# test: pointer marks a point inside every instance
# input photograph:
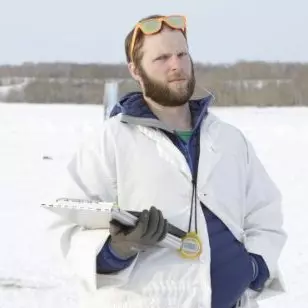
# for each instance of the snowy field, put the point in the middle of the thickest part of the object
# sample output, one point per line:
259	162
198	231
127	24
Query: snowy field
32	277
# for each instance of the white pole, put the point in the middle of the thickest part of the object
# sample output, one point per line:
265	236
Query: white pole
111	92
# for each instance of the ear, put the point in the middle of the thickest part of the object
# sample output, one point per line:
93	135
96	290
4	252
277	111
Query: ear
134	71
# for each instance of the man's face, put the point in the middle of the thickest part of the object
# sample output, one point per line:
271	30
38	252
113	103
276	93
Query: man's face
166	69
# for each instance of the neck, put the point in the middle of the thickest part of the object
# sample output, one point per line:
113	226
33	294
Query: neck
177	118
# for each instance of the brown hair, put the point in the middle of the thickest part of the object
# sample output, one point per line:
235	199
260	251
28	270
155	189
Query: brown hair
137	54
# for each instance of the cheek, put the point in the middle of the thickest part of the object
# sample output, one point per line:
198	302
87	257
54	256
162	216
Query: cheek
160	68
158	72
187	66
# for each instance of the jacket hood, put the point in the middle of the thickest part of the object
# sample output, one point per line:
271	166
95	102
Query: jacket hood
134	110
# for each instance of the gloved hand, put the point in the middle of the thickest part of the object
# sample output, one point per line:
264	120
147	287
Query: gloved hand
150	229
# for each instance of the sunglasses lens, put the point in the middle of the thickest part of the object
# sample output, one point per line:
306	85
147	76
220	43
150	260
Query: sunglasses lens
150	26
177	22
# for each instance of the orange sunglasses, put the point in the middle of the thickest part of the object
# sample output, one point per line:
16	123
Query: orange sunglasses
154	25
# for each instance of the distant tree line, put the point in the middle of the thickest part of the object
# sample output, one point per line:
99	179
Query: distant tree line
242	83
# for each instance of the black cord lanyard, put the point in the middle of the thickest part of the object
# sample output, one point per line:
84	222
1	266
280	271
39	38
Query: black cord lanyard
194	198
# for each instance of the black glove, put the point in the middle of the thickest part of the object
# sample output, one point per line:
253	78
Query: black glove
150	229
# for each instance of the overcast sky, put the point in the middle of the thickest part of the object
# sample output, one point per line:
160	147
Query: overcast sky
94	30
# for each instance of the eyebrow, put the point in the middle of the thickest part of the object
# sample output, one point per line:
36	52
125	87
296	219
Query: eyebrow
169	54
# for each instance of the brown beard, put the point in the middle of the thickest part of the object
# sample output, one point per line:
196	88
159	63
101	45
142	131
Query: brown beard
162	94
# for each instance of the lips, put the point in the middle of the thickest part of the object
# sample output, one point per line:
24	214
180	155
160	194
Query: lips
178	79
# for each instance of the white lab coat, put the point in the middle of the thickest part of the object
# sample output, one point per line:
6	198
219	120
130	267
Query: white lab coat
138	167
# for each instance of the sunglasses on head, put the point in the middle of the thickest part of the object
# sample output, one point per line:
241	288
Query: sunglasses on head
154	25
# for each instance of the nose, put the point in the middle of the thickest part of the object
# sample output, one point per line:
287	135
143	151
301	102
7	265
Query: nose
175	63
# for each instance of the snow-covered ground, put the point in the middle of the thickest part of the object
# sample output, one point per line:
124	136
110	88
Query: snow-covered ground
5	89
31	276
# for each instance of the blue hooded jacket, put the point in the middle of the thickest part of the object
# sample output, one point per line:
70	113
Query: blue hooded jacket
233	269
